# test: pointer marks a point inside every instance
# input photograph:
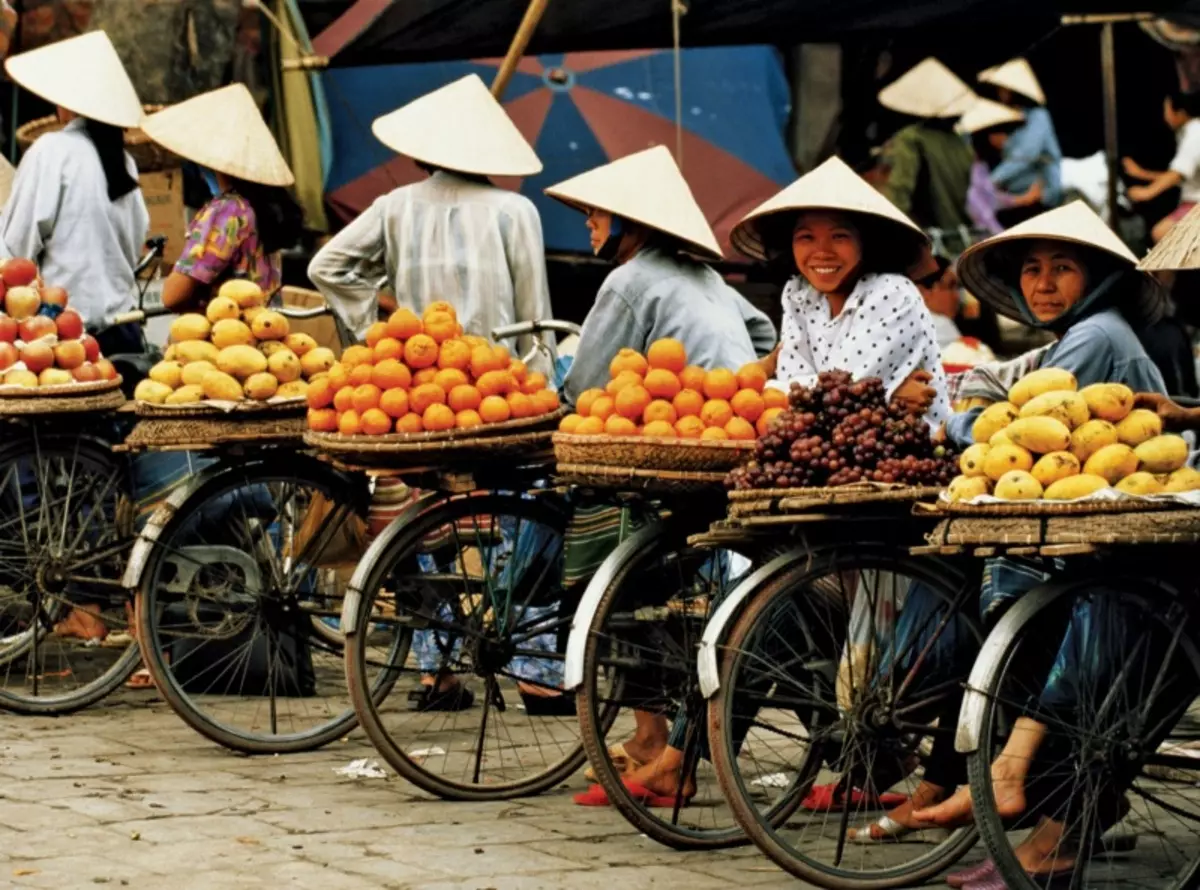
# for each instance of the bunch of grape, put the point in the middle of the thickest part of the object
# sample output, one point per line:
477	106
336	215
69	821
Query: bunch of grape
842	431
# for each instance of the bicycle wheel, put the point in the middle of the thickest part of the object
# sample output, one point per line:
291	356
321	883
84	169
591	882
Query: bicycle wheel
228	596
474	586
65	530
845	674
1108	669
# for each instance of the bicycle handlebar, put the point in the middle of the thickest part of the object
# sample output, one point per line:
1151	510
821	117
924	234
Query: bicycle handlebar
521	328
294	312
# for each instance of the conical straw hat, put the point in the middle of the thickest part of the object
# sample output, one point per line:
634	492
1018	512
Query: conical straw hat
1016	75
1179	250
82	74
459	127
832	186
928	90
7	173
985	114
989	271
224	131
648	188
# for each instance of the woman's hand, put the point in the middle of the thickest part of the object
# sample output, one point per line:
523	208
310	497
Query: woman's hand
770	363
915	393
1174	416
939	435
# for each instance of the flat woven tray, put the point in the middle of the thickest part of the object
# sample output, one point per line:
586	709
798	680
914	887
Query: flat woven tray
781	501
104	401
1047	508
663	454
637	479
193	433
245	412
1158	527
62	390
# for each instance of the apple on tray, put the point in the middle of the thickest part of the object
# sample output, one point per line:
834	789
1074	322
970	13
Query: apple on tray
37	356
85	373
8	356
16	377
22	302
19	272
54	377
106	369
54	296
37	328
91	346
69	324
69	354
9	329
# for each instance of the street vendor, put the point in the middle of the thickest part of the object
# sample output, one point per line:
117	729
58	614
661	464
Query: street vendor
453	236
239	232
75	208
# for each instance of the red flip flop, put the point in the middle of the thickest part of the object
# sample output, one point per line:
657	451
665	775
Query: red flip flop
820	799
596	796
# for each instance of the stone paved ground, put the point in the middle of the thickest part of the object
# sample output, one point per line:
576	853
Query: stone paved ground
125	795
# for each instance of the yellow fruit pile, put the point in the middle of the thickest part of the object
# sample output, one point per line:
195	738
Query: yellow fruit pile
424	375
238	349
1052	441
661	396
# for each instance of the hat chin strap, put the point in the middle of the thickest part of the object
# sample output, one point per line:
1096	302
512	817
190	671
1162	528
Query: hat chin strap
1074	313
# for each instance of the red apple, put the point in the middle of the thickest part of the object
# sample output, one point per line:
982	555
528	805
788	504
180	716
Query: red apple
69	354
106	369
36	328
20	378
8	329
91	346
55	296
69	324
19	272
37	356
8	355
54	377
22	302
85	373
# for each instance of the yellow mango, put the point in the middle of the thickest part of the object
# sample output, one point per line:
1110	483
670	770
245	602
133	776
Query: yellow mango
1054	466
190	326
196	351
1063	405
270	347
1004	458
269	325
244	293
1108	401
260	386
231	332
220	308
1074	487
151	391
1001	438
300	343
1040	435
186	395
220	386
241	361
1041	381
1138	427
293	389
169	373
1091	437
1017	485
993	419
193	372
169	353
1112	462
284	365
1162	454
317	360
1183	479
967	488
1140	484
971	461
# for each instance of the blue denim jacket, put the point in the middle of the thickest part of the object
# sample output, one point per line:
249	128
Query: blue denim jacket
1032	153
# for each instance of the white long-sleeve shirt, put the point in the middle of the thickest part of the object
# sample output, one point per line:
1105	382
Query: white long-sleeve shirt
59	215
471	244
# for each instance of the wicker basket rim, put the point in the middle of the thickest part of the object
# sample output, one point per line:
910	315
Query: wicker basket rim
639	473
104	401
60	390
1052	508
707	444
243	410
335	442
757	494
398	441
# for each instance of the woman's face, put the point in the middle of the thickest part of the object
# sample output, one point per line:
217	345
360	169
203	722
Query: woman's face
941	296
1053	278
828	250
599	223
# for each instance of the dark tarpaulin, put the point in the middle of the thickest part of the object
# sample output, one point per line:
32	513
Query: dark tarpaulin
376	32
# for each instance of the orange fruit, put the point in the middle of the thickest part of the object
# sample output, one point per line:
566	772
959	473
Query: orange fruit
668	354
495	383
320	393
388	348
533	382
394	403
764	420
423	396
391	374
420	351
662	384
361	374
464	398
473	341
448	378
517	368
348	424
440	306
590	426
410	423
403	323
545	401
659	429
343	399
357	355
622	380
741	429
339	376
603	407
748	403
568	424
494	409
520	405
425	375
376	332
454	354
438	417
752	376
716	412
688	403
692	377
632	401
441	326
720	384
375	422
503	356
483	359
774	398
628	360
620	426
467	419
365	397
322	420
583	405
690	427
660	409
714	432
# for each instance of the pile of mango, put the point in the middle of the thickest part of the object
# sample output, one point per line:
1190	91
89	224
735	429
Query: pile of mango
1055	442
237	350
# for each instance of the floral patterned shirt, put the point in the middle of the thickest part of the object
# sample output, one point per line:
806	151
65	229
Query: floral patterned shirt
222	242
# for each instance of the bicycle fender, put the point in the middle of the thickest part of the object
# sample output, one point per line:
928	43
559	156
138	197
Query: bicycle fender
353	596
727	611
991	661
585	614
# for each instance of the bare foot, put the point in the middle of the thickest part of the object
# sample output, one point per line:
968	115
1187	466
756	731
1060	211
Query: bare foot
956	810
83	623
925	795
662	775
1043	851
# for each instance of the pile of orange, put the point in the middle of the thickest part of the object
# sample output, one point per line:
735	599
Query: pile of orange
660	395
423	374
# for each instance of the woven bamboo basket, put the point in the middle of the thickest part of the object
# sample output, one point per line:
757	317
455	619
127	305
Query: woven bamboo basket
683	455
202	433
1050	508
635	479
1111	529
146	153
782	501
242	412
67	398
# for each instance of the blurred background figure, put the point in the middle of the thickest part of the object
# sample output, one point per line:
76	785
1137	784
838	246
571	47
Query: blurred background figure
989	126
1181	112
944	299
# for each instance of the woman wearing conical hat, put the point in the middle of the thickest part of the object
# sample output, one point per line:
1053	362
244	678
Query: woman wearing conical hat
1032	156
75	208
642	216
989	125
454	236
239	232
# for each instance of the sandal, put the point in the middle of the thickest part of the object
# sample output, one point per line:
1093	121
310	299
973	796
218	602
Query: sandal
596	796
561	704
891	831
821	800
621	761
140	680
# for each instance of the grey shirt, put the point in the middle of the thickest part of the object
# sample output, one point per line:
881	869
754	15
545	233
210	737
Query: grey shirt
657	295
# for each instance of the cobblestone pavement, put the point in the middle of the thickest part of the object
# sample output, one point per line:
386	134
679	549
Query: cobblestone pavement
124	794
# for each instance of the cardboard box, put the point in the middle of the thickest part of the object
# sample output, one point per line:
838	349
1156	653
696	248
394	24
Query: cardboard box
163	193
323	328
